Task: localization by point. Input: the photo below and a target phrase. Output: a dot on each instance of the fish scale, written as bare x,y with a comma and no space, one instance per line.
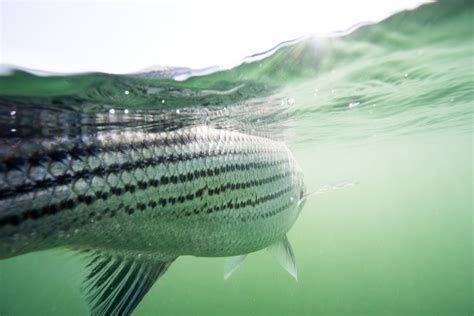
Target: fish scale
194,180
136,201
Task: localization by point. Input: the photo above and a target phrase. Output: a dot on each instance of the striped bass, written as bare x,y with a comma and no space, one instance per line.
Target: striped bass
134,202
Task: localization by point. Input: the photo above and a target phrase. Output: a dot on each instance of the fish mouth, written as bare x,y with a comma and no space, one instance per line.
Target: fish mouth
303,197
302,193
301,202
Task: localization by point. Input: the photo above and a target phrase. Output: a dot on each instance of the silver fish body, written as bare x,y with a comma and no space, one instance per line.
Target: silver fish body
193,191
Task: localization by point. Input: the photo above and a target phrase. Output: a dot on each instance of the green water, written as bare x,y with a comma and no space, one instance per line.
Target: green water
389,106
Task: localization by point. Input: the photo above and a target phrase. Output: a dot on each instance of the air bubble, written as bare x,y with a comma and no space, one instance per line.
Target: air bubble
127,92
13,130
12,113
162,101
177,111
125,111
112,111
354,104
290,101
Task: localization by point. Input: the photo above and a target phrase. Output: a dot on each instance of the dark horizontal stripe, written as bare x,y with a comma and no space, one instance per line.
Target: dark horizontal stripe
219,190
274,212
242,204
82,150
55,208
67,178
222,207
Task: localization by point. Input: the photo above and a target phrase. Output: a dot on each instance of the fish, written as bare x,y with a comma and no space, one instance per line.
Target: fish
132,202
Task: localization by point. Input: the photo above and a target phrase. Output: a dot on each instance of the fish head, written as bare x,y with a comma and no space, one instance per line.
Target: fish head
301,188
302,199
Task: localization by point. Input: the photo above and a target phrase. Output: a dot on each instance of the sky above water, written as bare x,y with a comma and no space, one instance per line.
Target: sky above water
128,36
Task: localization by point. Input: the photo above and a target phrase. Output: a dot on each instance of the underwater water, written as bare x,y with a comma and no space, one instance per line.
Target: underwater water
389,107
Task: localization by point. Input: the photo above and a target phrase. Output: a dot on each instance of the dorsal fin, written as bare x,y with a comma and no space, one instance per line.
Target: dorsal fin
116,284
284,255
231,264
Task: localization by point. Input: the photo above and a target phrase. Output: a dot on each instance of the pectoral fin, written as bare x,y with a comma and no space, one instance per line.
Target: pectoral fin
284,255
231,264
116,284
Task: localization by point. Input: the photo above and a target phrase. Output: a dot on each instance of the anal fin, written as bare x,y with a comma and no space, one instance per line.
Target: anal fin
116,284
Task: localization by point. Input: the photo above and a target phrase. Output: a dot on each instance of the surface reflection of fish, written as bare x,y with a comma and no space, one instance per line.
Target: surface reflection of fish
136,201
